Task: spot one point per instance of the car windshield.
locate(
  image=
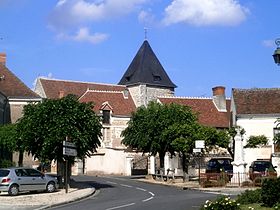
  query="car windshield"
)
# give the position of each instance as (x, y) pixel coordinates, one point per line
(262, 166)
(4, 172)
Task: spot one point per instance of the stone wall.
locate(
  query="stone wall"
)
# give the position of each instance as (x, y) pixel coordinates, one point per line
(143, 94)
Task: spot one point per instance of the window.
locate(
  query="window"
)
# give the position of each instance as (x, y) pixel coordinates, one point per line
(106, 116)
(157, 78)
(276, 133)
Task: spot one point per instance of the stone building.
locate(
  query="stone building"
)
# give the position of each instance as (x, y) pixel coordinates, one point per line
(14, 94)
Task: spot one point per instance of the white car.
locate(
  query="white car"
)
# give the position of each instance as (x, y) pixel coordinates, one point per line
(19, 179)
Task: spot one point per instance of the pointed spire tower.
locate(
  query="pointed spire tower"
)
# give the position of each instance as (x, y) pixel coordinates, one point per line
(146, 78)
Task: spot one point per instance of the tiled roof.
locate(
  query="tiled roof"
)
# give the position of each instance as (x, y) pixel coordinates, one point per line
(121, 105)
(145, 68)
(53, 87)
(13, 87)
(207, 112)
(257, 100)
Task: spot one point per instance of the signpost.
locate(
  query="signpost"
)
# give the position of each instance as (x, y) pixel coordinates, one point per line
(199, 145)
(69, 149)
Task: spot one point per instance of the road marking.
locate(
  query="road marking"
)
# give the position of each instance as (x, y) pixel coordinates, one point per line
(152, 193)
(125, 185)
(118, 207)
(111, 182)
(150, 198)
(138, 188)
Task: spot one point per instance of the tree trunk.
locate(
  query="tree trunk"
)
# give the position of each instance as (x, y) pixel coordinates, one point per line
(185, 164)
(20, 159)
(161, 161)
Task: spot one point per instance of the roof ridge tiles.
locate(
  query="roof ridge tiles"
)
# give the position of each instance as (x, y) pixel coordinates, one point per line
(104, 91)
(75, 81)
(185, 97)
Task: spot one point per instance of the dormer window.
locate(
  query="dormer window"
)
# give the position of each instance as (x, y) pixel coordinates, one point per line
(157, 78)
(106, 116)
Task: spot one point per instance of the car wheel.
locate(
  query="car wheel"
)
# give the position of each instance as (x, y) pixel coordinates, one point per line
(13, 190)
(51, 187)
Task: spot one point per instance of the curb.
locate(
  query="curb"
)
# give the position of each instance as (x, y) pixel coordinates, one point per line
(74, 199)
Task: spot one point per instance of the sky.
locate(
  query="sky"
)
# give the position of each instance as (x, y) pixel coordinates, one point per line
(200, 43)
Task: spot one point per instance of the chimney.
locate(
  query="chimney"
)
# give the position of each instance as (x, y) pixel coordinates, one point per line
(3, 58)
(61, 94)
(219, 98)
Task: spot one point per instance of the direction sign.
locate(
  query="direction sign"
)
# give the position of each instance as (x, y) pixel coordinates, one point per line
(69, 148)
(69, 151)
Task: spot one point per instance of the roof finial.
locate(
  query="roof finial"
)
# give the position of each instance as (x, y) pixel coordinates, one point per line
(145, 31)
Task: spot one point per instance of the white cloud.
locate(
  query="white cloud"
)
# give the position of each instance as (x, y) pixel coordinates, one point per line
(83, 35)
(205, 12)
(146, 17)
(74, 12)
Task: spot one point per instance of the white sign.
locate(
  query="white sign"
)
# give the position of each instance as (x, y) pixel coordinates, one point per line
(68, 144)
(69, 151)
(196, 150)
(199, 144)
(69, 148)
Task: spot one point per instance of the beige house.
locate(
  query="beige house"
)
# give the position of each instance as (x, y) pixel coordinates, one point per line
(14, 95)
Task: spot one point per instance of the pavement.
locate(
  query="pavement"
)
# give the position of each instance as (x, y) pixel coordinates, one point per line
(79, 191)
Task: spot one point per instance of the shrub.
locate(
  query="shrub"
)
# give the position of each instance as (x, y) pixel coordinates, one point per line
(276, 206)
(270, 191)
(221, 203)
(250, 196)
(6, 163)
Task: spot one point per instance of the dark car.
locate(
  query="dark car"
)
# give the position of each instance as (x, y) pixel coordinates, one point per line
(262, 168)
(218, 165)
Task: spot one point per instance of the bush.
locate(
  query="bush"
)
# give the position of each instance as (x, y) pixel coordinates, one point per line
(221, 203)
(250, 196)
(270, 191)
(6, 163)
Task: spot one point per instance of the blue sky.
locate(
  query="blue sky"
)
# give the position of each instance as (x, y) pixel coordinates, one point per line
(200, 43)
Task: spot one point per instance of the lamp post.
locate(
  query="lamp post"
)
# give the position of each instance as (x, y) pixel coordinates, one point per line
(276, 54)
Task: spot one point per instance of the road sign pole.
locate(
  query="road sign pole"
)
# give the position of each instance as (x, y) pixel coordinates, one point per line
(66, 176)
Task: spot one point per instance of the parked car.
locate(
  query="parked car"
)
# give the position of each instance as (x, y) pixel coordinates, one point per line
(262, 168)
(219, 164)
(18, 179)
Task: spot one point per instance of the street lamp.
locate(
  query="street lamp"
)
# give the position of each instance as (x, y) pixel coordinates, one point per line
(276, 54)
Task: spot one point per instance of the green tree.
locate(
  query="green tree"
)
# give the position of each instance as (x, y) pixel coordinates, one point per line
(146, 131)
(9, 142)
(44, 126)
(185, 136)
(256, 141)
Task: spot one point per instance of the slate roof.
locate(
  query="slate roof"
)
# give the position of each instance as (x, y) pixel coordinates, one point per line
(121, 105)
(208, 114)
(257, 100)
(12, 87)
(53, 87)
(145, 68)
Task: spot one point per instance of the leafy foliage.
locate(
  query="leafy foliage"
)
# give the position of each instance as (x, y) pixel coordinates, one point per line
(270, 192)
(148, 127)
(256, 141)
(221, 203)
(8, 137)
(44, 126)
(250, 196)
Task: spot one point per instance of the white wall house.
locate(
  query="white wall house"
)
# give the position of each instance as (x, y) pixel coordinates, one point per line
(256, 111)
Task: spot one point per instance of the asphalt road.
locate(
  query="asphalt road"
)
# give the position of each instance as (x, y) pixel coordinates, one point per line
(123, 193)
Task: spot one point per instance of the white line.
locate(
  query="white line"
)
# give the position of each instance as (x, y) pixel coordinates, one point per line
(111, 182)
(118, 207)
(152, 193)
(150, 198)
(125, 185)
(138, 188)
